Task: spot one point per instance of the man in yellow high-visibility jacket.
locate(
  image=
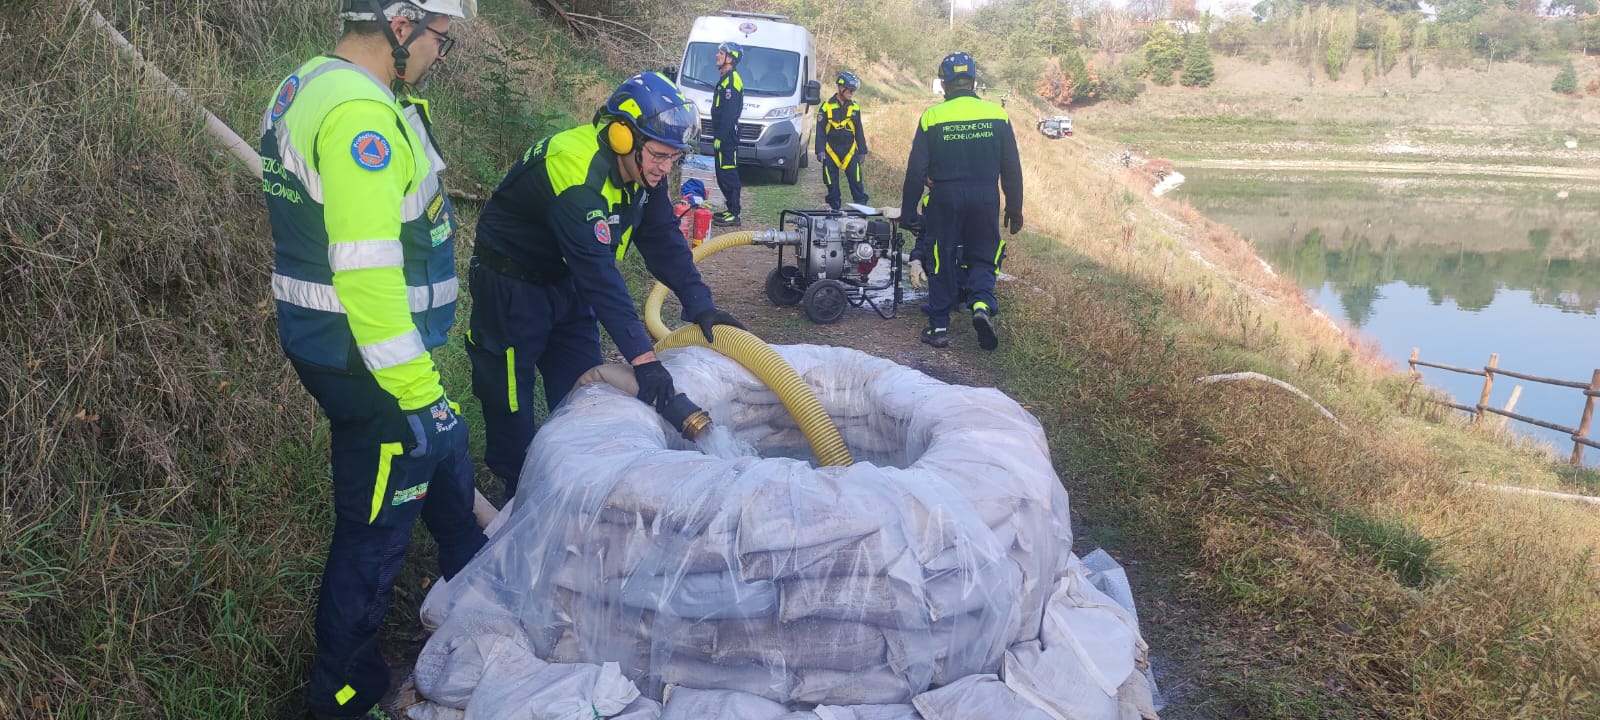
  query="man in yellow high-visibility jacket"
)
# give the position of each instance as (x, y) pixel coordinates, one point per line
(364, 278)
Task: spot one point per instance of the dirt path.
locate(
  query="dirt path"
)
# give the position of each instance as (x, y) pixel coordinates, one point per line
(737, 278)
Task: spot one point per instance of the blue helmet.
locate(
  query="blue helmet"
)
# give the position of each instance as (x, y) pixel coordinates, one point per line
(957, 64)
(849, 81)
(734, 50)
(654, 107)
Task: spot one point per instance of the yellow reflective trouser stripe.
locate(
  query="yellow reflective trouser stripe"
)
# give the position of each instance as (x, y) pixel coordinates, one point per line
(997, 253)
(344, 694)
(511, 378)
(720, 162)
(380, 488)
(936, 258)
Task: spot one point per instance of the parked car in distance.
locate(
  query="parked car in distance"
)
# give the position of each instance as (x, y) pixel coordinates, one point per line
(1056, 127)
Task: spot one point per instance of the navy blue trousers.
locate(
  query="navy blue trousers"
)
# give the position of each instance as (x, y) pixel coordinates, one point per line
(963, 234)
(379, 491)
(728, 174)
(851, 172)
(518, 328)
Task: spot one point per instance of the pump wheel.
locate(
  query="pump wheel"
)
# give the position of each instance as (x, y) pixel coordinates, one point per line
(783, 285)
(825, 301)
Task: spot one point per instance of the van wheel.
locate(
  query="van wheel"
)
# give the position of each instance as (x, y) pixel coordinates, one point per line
(805, 159)
(791, 172)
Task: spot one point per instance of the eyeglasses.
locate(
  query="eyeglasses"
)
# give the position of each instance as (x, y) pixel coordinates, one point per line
(445, 41)
(664, 158)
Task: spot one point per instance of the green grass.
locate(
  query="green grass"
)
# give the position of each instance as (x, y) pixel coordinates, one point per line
(1391, 545)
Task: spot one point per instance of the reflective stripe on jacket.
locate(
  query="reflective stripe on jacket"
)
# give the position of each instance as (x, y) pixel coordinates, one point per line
(963, 141)
(564, 210)
(727, 104)
(839, 130)
(363, 233)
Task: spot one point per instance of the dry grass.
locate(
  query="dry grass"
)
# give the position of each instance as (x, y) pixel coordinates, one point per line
(164, 506)
(1344, 574)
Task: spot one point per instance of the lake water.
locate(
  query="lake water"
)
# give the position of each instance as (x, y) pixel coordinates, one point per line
(1460, 267)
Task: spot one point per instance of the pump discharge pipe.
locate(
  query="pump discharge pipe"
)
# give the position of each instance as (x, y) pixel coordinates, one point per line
(756, 356)
(742, 347)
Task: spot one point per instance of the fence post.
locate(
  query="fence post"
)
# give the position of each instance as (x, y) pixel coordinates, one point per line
(1488, 382)
(1415, 377)
(1511, 406)
(1588, 414)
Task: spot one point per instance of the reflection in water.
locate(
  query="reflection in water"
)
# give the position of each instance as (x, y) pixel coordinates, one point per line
(1461, 268)
(1462, 239)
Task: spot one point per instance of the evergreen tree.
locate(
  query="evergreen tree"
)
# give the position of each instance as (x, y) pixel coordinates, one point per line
(1567, 80)
(1162, 52)
(1197, 68)
(1082, 82)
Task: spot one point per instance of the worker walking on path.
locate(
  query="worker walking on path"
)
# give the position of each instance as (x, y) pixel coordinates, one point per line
(727, 105)
(841, 142)
(365, 284)
(545, 265)
(962, 146)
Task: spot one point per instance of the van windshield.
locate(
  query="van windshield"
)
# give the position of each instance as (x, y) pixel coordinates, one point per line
(765, 71)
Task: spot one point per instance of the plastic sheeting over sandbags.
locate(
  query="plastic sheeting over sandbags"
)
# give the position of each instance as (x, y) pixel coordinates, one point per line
(807, 587)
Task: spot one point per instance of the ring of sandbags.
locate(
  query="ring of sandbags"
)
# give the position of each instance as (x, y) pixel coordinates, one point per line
(919, 565)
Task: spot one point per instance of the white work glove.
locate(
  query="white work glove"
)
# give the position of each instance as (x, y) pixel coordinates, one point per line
(915, 274)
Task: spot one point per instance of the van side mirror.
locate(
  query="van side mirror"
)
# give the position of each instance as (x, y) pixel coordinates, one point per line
(671, 72)
(812, 95)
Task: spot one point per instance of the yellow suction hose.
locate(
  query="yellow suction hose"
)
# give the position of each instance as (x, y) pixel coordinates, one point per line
(757, 357)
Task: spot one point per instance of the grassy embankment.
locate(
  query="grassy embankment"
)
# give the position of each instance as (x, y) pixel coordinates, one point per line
(1503, 115)
(163, 477)
(1297, 568)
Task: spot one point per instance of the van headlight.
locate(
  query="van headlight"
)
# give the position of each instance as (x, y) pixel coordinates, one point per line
(781, 113)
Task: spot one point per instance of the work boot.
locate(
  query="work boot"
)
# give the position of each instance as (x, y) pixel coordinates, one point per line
(725, 218)
(937, 337)
(984, 327)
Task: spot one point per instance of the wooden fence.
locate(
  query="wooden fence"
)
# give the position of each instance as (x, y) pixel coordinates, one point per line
(1579, 434)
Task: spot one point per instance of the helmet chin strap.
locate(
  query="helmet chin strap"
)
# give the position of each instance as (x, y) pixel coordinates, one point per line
(401, 51)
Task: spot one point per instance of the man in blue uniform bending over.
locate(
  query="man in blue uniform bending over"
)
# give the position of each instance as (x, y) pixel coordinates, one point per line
(545, 264)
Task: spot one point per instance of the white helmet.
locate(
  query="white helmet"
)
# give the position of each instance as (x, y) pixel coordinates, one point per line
(363, 10)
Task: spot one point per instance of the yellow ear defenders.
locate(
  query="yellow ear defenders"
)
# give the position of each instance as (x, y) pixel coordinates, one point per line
(620, 137)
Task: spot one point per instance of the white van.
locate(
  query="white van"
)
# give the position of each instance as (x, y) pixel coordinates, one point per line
(779, 69)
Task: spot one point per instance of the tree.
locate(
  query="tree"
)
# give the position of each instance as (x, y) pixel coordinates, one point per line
(1341, 41)
(1197, 68)
(1162, 52)
(1080, 77)
(1567, 80)
(1113, 30)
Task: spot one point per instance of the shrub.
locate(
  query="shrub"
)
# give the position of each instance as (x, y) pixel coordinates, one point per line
(1566, 81)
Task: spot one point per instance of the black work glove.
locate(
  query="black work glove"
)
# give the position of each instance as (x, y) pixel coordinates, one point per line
(429, 424)
(716, 316)
(1014, 222)
(655, 384)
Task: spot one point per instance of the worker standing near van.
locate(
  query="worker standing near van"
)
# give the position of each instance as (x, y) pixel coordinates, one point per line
(841, 143)
(962, 146)
(545, 265)
(727, 105)
(365, 283)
